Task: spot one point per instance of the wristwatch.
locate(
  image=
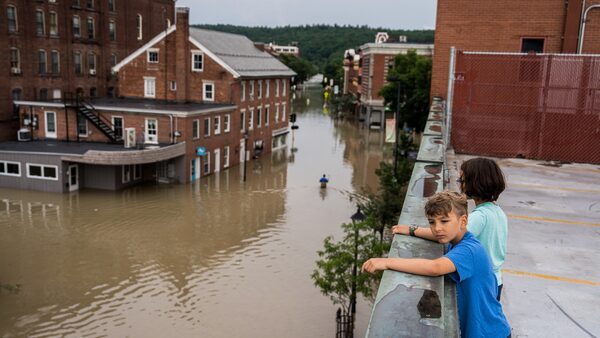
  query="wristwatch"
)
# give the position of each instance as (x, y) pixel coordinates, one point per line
(412, 229)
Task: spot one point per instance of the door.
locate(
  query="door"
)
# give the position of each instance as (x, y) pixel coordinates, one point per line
(151, 131)
(193, 170)
(73, 177)
(50, 124)
(217, 160)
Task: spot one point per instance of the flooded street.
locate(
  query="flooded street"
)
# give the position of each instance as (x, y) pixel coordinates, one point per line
(218, 258)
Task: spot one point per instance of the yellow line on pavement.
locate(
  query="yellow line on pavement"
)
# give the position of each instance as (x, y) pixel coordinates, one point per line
(553, 220)
(549, 277)
(537, 186)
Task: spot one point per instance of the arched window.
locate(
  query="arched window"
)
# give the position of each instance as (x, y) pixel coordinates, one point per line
(11, 14)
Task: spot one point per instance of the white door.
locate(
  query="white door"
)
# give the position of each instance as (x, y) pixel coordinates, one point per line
(73, 177)
(217, 160)
(242, 151)
(151, 131)
(50, 124)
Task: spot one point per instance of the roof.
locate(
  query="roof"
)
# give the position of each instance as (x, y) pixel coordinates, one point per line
(238, 54)
(397, 48)
(61, 147)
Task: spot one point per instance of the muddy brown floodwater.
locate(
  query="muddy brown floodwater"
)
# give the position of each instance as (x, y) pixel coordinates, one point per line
(218, 258)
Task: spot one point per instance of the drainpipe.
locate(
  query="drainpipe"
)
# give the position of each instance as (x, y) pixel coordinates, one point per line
(582, 30)
(172, 131)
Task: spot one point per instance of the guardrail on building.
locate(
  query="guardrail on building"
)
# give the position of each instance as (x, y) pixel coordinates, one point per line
(408, 305)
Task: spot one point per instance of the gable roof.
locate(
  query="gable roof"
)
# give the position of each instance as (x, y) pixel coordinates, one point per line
(142, 49)
(237, 54)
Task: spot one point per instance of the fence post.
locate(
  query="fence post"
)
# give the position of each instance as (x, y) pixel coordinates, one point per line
(450, 96)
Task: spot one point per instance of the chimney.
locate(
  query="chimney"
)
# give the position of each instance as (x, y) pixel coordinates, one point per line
(183, 63)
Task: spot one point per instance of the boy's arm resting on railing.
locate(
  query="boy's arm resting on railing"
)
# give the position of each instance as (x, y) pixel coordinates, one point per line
(421, 232)
(417, 266)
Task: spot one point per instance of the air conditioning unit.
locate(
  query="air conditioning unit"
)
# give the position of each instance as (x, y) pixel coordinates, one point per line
(129, 137)
(15, 70)
(24, 134)
(92, 72)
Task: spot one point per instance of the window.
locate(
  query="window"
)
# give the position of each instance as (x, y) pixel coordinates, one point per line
(42, 61)
(111, 5)
(10, 168)
(283, 112)
(40, 27)
(151, 131)
(251, 119)
(76, 26)
(43, 94)
(112, 30)
(42, 171)
(268, 88)
(91, 28)
(208, 92)
(173, 85)
(259, 89)
(117, 122)
(217, 125)
(226, 123)
(283, 87)
(92, 63)
(82, 127)
(197, 61)
(153, 55)
(76, 3)
(77, 62)
(149, 87)
(11, 15)
(16, 94)
(196, 129)
(53, 24)
(207, 163)
(113, 60)
(138, 26)
(90, 4)
(125, 174)
(206, 127)
(258, 116)
(55, 62)
(226, 157)
(251, 90)
(243, 91)
(532, 45)
(277, 88)
(243, 121)
(267, 116)
(93, 92)
(56, 94)
(276, 112)
(15, 59)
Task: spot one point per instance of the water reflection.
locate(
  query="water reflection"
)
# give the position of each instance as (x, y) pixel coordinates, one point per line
(219, 258)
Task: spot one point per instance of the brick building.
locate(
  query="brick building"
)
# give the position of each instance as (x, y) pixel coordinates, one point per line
(373, 63)
(548, 26)
(191, 102)
(51, 49)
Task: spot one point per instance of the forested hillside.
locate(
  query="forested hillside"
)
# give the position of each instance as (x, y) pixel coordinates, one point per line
(321, 44)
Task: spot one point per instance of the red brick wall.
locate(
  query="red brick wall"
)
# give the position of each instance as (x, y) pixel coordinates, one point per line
(498, 26)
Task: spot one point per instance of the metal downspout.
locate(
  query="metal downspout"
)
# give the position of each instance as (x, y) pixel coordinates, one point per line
(582, 30)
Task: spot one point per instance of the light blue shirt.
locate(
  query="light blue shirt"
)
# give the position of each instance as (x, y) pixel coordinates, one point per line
(488, 223)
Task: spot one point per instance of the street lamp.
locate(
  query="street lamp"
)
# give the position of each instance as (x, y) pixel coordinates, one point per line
(356, 218)
(246, 136)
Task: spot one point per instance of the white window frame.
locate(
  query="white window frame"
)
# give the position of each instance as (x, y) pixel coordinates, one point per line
(152, 50)
(52, 53)
(283, 106)
(173, 86)
(268, 88)
(53, 32)
(259, 116)
(196, 135)
(78, 34)
(16, 18)
(243, 93)
(201, 54)
(112, 37)
(126, 178)
(92, 70)
(43, 22)
(283, 87)
(112, 119)
(259, 89)
(149, 86)
(6, 173)
(276, 112)
(267, 115)
(86, 127)
(42, 167)
(18, 61)
(140, 28)
(87, 26)
(226, 123)
(276, 87)
(251, 93)
(243, 120)
(207, 128)
(147, 137)
(251, 120)
(217, 124)
(226, 153)
(206, 163)
(204, 86)
(48, 133)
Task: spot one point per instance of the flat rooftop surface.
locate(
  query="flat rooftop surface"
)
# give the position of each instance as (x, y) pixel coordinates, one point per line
(552, 268)
(61, 147)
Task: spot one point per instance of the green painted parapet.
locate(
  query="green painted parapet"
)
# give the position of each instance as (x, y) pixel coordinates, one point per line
(408, 305)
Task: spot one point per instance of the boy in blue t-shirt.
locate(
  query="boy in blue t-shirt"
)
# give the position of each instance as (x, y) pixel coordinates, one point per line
(467, 263)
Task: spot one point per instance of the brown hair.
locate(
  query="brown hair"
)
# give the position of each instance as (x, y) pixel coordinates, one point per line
(482, 179)
(442, 203)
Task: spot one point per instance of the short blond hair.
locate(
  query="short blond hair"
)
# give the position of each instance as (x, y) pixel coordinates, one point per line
(442, 203)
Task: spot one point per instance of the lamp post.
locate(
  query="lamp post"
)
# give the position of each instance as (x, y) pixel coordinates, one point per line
(245, 152)
(356, 218)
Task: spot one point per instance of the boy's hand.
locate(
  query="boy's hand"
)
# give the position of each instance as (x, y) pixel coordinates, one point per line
(374, 264)
(400, 229)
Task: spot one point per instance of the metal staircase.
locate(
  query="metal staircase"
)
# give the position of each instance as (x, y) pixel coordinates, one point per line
(87, 110)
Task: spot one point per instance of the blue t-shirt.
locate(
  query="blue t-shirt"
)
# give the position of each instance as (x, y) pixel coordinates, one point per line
(488, 223)
(479, 313)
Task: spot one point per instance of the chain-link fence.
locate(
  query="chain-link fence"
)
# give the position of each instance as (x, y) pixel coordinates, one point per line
(544, 106)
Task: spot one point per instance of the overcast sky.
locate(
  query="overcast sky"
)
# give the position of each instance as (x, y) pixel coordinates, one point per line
(407, 14)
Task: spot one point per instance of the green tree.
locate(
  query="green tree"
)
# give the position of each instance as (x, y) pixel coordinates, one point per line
(413, 74)
(302, 67)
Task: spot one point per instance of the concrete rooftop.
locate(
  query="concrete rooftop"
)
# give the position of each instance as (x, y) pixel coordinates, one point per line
(552, 267)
